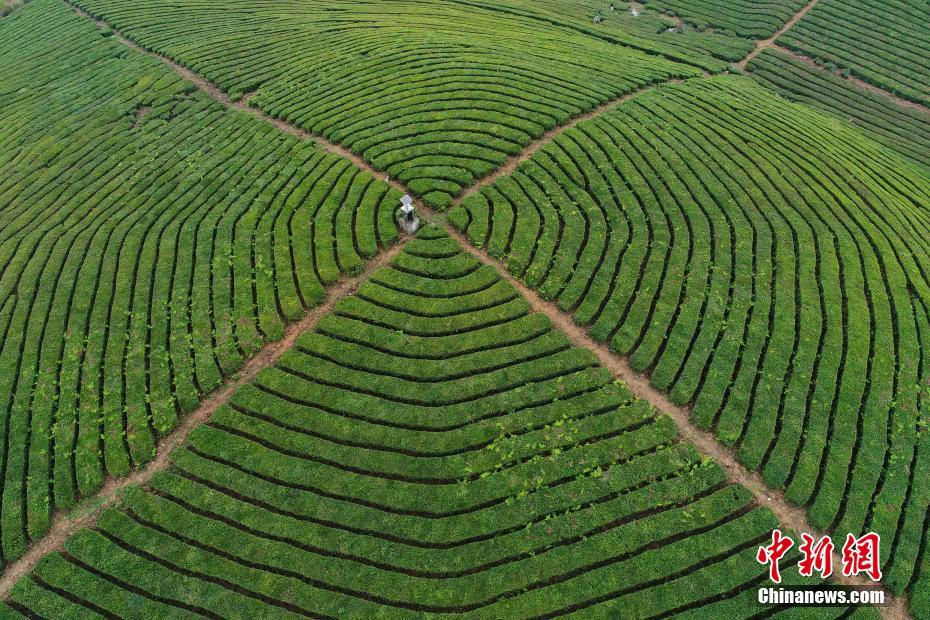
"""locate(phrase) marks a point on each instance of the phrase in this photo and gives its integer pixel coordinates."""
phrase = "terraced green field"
(746, 18)
(149, 241)
(884, 42)
(754, 246)
(428, 92)
(763, 264)
(903, 129)
(432, 447)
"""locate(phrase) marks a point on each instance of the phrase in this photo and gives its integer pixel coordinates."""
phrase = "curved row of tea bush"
(745, 18)
(149, 242)
(903, 129)
(763, 263)
(432, 448)
(884, 42)
(436, 94)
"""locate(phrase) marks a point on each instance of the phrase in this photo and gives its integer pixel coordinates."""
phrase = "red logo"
(817, 557)
(773, 553)
(859, 555)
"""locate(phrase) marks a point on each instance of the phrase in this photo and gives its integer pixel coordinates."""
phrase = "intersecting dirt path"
(767, 43)
(66, 524)
(527, 153)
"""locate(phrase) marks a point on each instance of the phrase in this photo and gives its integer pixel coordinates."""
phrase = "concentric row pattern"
(756, 19)
(149, 241)
(432, 448)
(884, 42)
(762, 262)
(904, 129)
(436, 94)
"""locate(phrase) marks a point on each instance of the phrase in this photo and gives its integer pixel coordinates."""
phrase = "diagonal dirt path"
(331, 147)
(242, 105)
(64, 525)
(766, 43)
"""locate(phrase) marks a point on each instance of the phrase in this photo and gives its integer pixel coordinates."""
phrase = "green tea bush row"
(150, 241)
(764, 265)
(884, 43)
(433, 94)
(649, 30)
(745, 18)
(396, 492)
(900, 128)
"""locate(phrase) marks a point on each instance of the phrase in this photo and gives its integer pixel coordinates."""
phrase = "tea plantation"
(735, 222)
(904, 129)
(763, 264)
(149, 242)
(886, 43)
(432, 448)
(425, 91)
(746, 18)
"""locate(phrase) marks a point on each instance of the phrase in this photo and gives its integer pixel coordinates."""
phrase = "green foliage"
(432, 93)
(149, 242)
(884, 42)
(428, 449)
(744, 18)
(903, 129)
(762, 263)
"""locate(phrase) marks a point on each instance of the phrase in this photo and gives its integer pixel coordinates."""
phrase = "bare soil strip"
(66, 524)
(791, 516)
(855, 81)
(766, 43)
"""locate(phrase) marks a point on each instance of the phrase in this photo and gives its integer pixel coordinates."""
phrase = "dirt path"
(767, 43)
(66, 524)
(243, 104)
